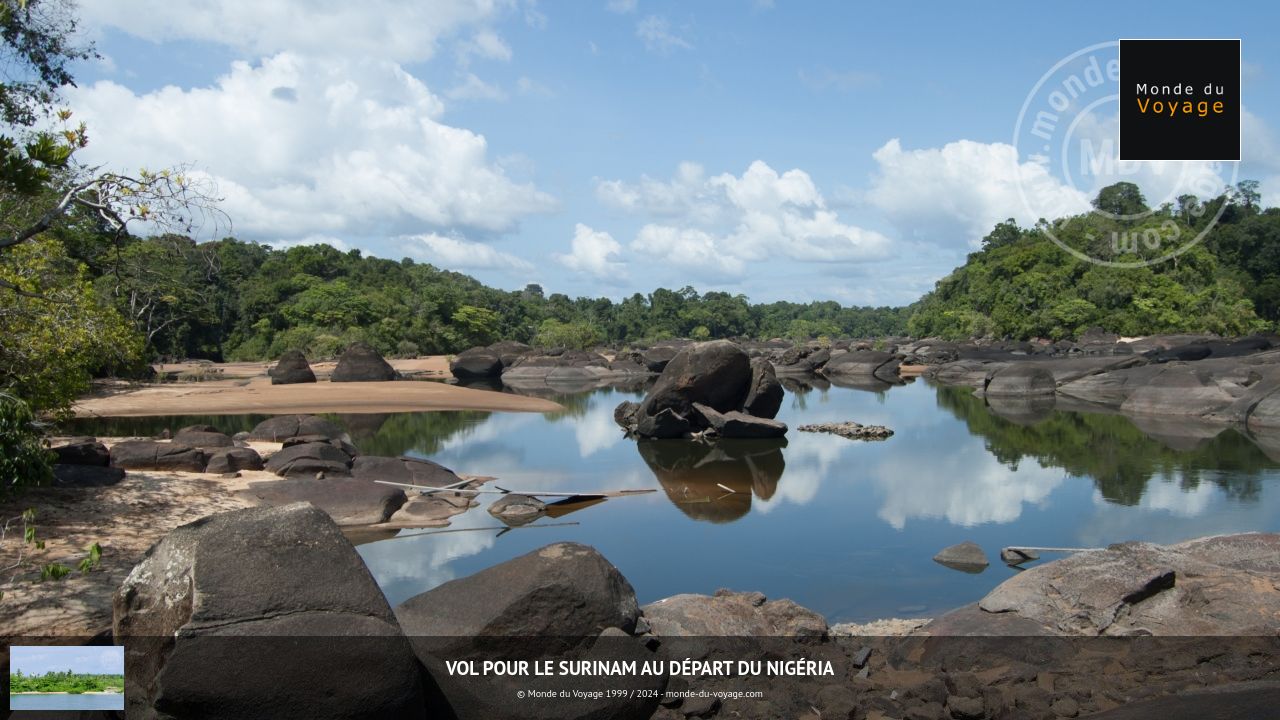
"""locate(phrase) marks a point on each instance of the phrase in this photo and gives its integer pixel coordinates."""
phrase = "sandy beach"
(244, 388)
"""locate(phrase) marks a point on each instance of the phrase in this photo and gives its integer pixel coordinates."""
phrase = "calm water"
(66, 702)
(844, 527)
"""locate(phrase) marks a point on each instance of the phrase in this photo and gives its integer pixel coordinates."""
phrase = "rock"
(411, 471)
(1018, 556)
(1065, 707)
(625, 415)
(700, 706)
(565, 594)
(152, 455)
(80, 476)
(730, 614)
(1096, 335)
(230, 460)
(1217, 586)
(665, 425)
(656, 358)
(309, 458)
(864, 362)
(199, 437)
(966, 557)
(717, 374)
(339, 443)
(1224, 702)
(283, 427)
(345, 500)
(1183, 391)
(966, 708)
(269, 589)
(851, 430)
(764, 398)
(1021, 379)
(478, 362)
(1184, 353)
(1110, 388)
(82, 451)
(361, 363)
(517, 509)
(292, 368)
(508, 351)
(737, 425)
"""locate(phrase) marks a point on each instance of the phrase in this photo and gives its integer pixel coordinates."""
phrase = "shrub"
(23, 459)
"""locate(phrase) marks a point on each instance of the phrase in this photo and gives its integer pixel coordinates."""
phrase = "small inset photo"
(66, 677)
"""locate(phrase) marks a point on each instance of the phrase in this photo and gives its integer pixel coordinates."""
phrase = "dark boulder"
(508, 351)
(737, 425)
(361, 363)
(198, 436)
(1184, 353)
(82, 451)
(347, 501)
(1020, 380)
(863, 362)
(291, 369)
(308, 459)
(517, 509)
(716, 374)
(478, 362)
(80, 476)
(656, 358)
(666, 425)
(965, 557)
(238, 615)
(625, 414)
(764, 399)
(732, 614)
(339, 443)
(410, 471)
(231, 460)
(152, 455)
(283, 427)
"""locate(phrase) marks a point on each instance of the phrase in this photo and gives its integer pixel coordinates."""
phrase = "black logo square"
(1179, 99)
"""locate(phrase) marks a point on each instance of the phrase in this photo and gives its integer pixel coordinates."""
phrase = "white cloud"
(485, 44)
(621, 6)
(592, 253)
(719, 224)
(656, 32)
(960, 191)
(301, 146)
(456, 253)
(473, 88)
(402, 30)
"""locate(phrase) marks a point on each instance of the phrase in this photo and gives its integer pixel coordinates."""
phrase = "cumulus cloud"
(300, 146)
(451, 252)
(656, 32)
(473, 88)
(401, 30)
(721, 223)
(592, 253)
(486, 44)
(960, 191)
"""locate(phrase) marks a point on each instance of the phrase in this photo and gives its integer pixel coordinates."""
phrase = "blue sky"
(606, 147)
(39, 659)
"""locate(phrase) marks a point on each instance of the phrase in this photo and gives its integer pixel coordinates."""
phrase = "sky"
(38, 660)
(784, 150)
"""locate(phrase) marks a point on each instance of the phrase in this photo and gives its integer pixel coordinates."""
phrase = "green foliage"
(573, 335)
(64, 682)
(54, 571)
(23, 459)
(1022, 286)
(55, 329)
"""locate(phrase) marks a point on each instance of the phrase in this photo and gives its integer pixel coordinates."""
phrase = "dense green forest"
(64, 682)
(1020, 285)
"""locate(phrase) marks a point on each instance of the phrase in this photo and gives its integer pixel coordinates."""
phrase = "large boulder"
(764, 398)
(283, 427)
(1110, 388)
(1216, 586)
(347, 501)
(292, 368)
(864, 362)
(1181, 390)
(82, 451)
(656, 358)
(410, 471)
(561, 602)
(732, 614)
(261, 613)
(361, 363)
(153, 455)
(1021, 380)
(965, 557)
(508, 351)
(235, 459)
(716, 374)
(307, 459)
(202, 436)
(476, 363)
(737, 425)
(1265, 414)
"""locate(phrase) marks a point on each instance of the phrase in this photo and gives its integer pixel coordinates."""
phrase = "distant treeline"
(1020, 285)
(64, 682)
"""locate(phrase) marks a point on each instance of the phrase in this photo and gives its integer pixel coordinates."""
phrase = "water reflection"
(715, 482)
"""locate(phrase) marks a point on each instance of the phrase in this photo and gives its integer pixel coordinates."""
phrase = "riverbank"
(245, 388)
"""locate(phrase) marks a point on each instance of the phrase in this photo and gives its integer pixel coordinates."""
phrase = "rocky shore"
(1098, 634)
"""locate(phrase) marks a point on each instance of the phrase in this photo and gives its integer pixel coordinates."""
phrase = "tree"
(1123, 199)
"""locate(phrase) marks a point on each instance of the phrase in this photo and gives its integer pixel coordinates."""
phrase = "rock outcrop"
(730, 614)
(292, 368)
(361, 363)
(239, 615)
(154, 455)
(283, 427)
